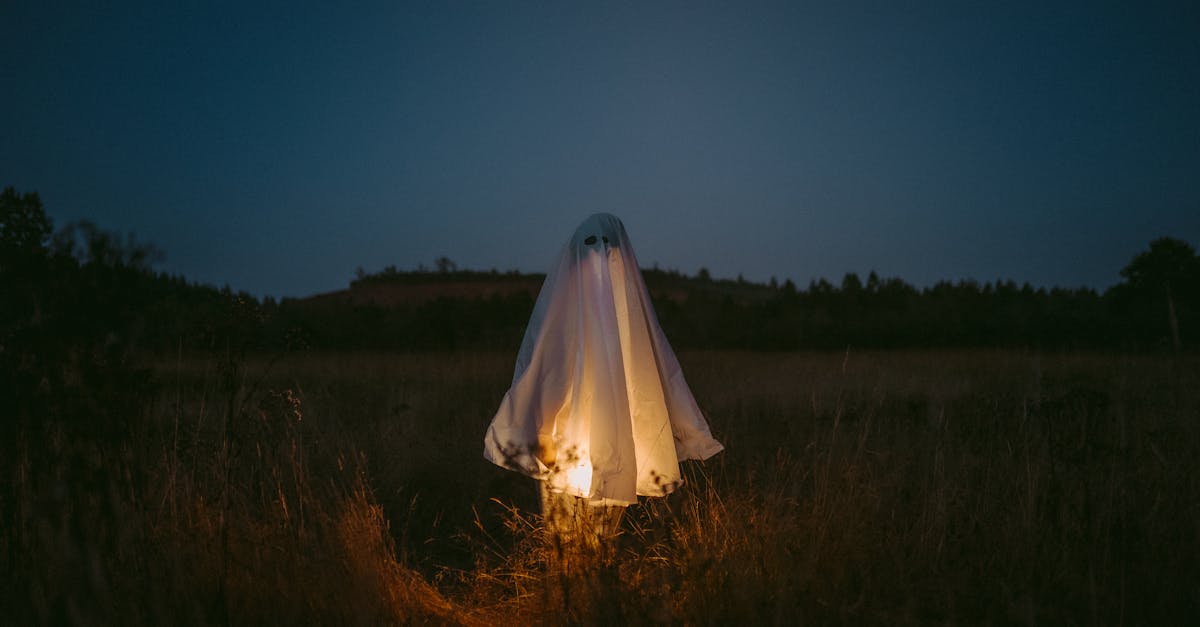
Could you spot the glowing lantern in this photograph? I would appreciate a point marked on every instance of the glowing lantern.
(598, 407)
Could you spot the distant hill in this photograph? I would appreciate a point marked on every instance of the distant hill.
(452, 308)
(395, 288)
(415, 288)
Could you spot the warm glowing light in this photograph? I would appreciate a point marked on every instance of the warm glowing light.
(579, 479)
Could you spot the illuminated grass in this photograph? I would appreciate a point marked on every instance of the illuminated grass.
(884, 488)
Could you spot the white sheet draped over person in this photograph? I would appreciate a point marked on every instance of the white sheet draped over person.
(598, 407)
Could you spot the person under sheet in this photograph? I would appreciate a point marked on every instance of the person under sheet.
(598, 406)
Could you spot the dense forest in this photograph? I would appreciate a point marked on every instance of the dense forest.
(81, 286)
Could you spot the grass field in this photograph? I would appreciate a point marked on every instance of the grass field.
(891, 488)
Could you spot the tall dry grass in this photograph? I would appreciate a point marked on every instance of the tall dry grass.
(227, 503)
(887, 488)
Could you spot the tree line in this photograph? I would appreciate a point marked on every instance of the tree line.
(83, 295)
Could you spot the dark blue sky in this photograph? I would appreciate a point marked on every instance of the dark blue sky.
(276, 148)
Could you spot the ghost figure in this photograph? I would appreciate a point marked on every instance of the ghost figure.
(598, 407)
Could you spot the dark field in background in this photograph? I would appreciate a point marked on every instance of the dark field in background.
(908, 487)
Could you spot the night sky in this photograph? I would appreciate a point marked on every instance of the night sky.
(276, 148)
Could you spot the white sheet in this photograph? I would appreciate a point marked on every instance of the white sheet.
(598, 406)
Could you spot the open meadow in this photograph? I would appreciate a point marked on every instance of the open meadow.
(915, 487)
(929, 271)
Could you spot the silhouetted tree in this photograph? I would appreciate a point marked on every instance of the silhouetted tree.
(24, 226)
(851, 283)
(872, 282)
(1166, 271)
(91, 245)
